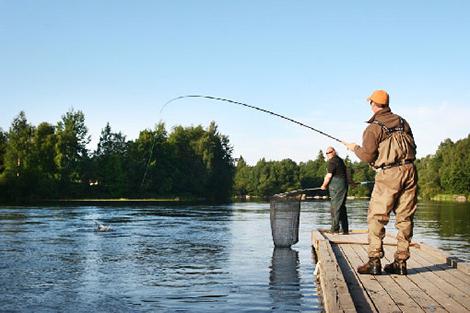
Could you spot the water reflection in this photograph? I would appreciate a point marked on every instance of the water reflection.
(284, 281)
(445, 225)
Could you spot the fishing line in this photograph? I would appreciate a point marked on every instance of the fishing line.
(148, 162)
(234, 102)
(252, 107)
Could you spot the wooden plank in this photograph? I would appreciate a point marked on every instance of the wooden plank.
(462, 269)
(425, 302)
(335, 292)
(359, 238)
(430, 273)
(316, 236)
(452, 261)
(435, 281)
(362, 301)
(432, 285)
(455, 272)
(399, 295)
(335, 289)
(327, 288)
(380, 298)
(444, 272)
(436, 253)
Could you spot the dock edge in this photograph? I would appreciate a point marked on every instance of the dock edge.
(336, 296)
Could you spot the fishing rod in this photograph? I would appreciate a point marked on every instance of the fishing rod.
(239, 103)
(294, 192)
(252, 107)
(301, 191)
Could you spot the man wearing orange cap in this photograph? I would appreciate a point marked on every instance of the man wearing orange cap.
(388, 146)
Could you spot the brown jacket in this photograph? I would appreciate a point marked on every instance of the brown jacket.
(374, 134)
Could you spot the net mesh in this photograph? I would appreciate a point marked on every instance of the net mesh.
(285, 216)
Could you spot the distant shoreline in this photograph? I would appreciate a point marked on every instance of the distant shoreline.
(109, 202)
(193, 201)
(451, 198)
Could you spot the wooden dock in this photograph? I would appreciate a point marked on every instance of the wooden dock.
(435, 282)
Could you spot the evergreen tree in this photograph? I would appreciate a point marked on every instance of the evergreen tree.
(109, 163)
(18, 150)
(18, 167)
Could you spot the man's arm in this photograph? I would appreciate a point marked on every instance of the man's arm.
(326, 181)
(370, 143)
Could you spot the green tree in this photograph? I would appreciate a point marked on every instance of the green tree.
(242, 180)
(271, 177)
(360, 172)
(3, 147)
(189, 170)
(139, 153)
(18, 156)
(43, 156)
(311, 173)
(150, 163)
(160, 164)
(216, 153)
(454, 173)
(109, 163)
(71, 152)
(287, 175)
(429, 180)
(18, 150)
(44, 142)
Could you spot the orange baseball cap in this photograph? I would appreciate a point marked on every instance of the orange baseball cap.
(379, 97)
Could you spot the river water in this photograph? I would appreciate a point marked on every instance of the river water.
(178, 258)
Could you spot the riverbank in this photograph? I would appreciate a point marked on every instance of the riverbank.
(111, 201)
(453, 198)
(127, 201)
(190, 201)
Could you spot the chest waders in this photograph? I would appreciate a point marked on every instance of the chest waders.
(395, 190)
(398, 148)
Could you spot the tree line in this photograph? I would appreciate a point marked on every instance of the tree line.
(270, 177)
(447, 171)
(52, 162)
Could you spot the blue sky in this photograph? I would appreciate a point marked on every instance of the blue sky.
(315, 61)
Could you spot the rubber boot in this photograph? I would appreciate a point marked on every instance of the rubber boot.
(372, 267)
(396, 267)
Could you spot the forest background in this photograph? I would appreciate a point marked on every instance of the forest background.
(47, 162)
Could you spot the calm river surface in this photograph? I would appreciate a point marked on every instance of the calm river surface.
(179, 258)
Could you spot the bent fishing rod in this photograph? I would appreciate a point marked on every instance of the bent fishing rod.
(251, 107)
(239, 103)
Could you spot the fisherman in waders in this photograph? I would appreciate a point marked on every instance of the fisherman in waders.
(389, 147)
(336, 182)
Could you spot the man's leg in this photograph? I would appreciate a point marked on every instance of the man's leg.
(343, 214)
(334, 212)
(386, 190)
(382, 201)
(405, 210)
(335, 198)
